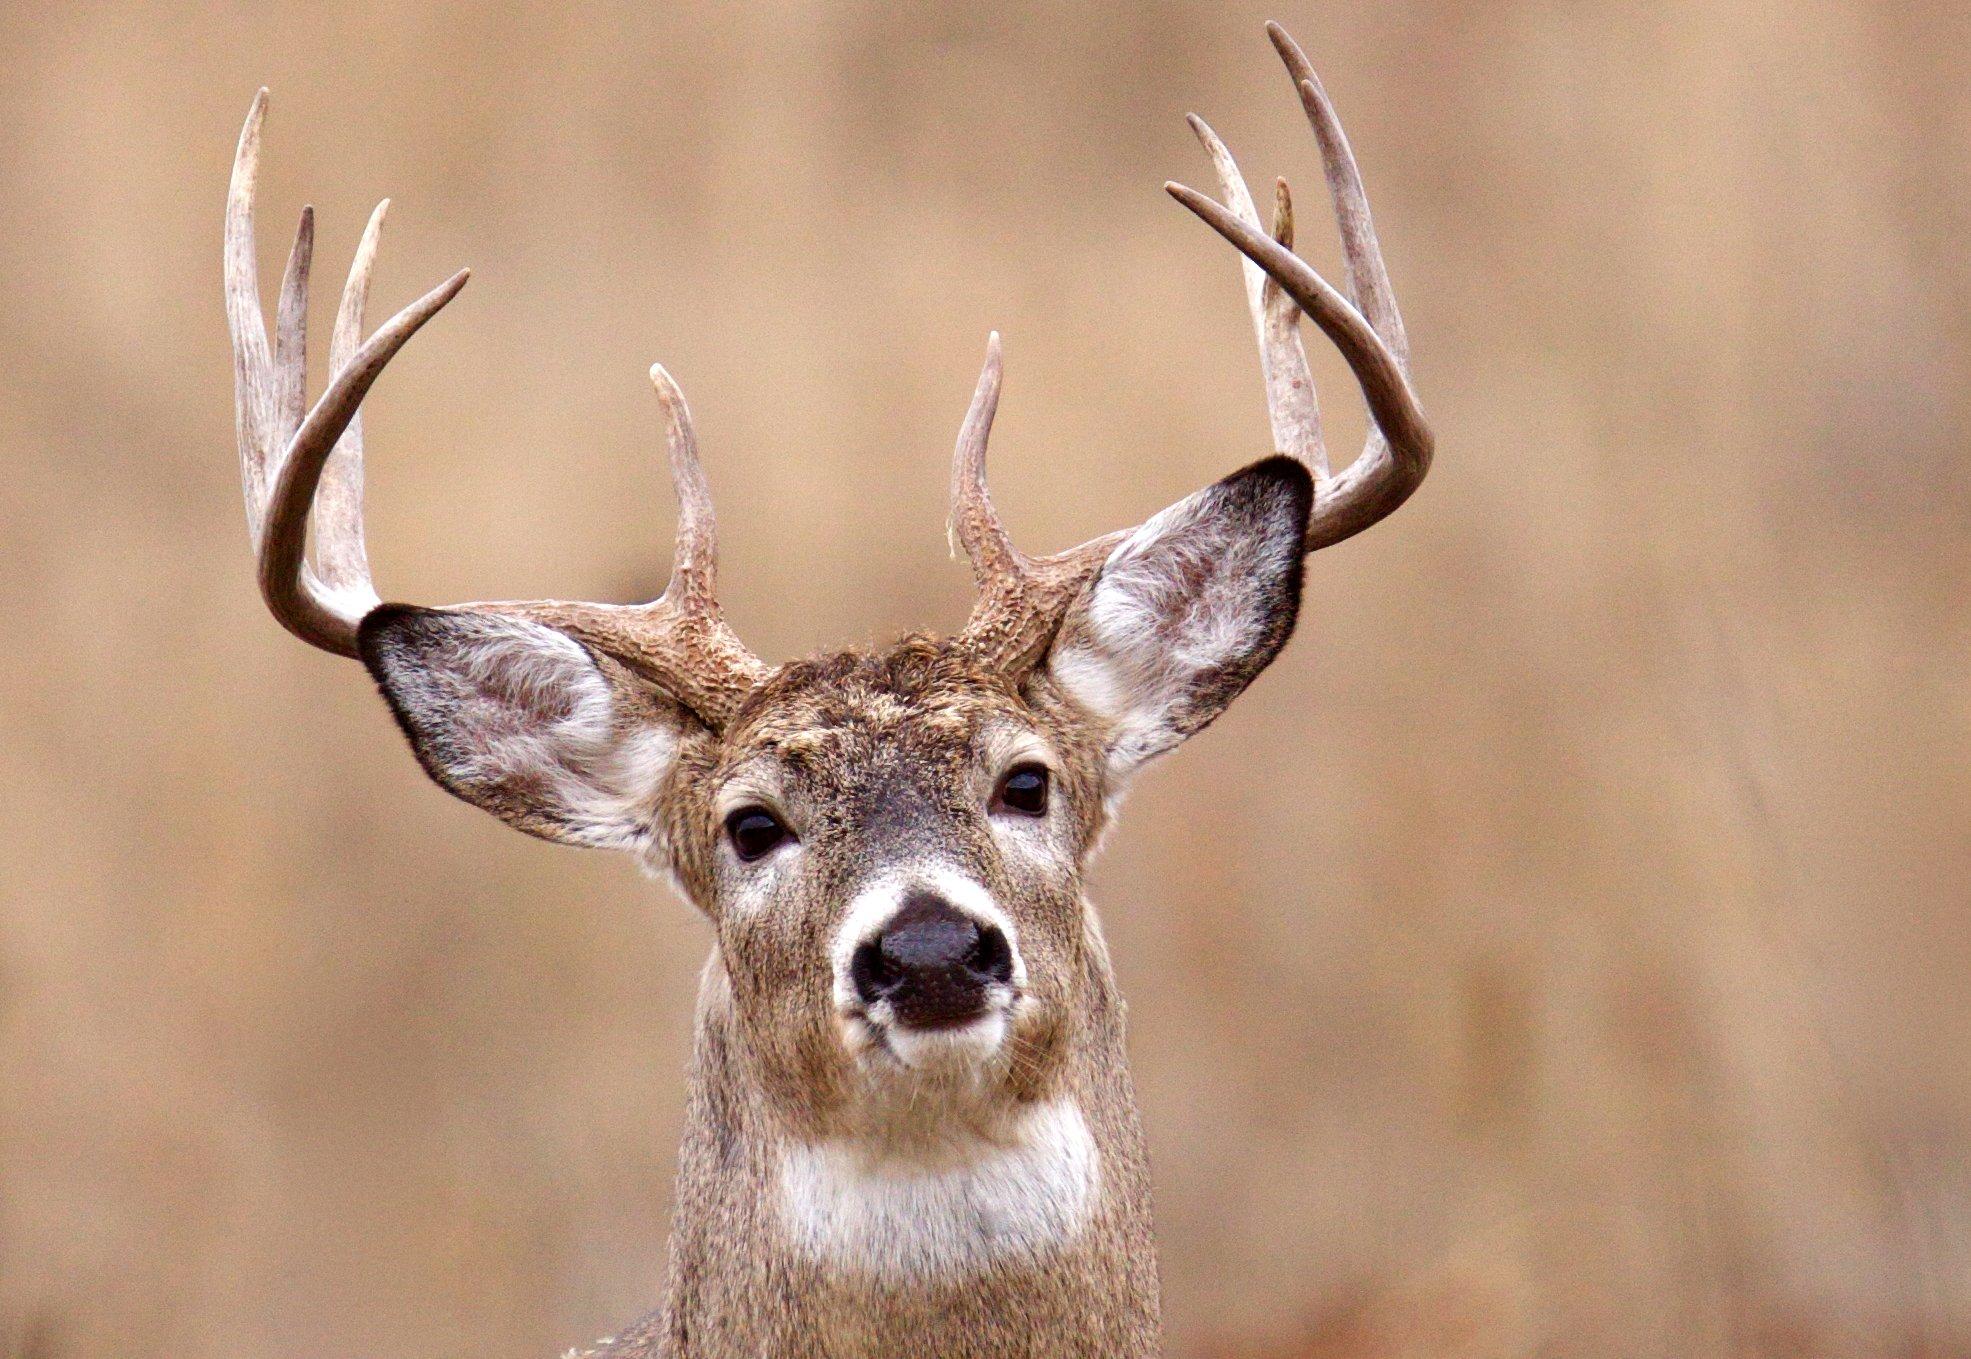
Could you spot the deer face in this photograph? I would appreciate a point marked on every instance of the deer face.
(890, 844)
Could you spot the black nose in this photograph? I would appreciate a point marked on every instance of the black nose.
(932, 963)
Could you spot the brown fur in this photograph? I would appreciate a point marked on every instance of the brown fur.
(845, 733)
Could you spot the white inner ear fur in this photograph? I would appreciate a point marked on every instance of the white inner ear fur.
(517, 717)
(1192, 591)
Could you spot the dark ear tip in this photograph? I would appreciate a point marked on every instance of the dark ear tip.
(1278, 467)
(378, 625)
(1288, 474)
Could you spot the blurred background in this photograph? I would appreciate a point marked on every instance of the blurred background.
(1604, 830)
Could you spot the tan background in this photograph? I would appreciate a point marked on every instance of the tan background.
(1562, 951)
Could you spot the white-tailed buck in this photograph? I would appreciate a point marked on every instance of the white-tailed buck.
(911, 1128)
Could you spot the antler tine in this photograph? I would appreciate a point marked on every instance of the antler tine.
(1366, 276)
(1396, 455)
(291, 329)
(1021, 599)
(253, 382)
(695, 560)
(324, 617)
(1291, 403)
(975, 525)
(341, 556)
(282, 453)
(681, 638)
(1298, 402)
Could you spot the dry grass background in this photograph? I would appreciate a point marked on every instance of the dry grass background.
(1562, 951)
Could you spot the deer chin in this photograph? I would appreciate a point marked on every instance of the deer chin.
(883, 1046)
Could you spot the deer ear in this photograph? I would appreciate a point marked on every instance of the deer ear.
(1187, 610)
(526, 722)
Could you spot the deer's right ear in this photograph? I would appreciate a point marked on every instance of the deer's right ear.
(526, 722)
(1187, 610)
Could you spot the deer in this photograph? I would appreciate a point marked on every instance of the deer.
(910, 1124)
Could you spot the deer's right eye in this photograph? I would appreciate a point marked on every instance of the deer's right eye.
(1024, 790)
(755, 832)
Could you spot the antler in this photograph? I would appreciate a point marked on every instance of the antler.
(283, 455)
(304, 474)
(1365, 325)
(1022, 599)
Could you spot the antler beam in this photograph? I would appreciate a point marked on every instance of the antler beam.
(1364, 325)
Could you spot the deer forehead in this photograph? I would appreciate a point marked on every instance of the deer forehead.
(914, 720)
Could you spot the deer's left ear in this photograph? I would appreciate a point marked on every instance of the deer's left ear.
(1187, 610)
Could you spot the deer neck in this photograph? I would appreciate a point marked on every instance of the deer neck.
(1012, 1230)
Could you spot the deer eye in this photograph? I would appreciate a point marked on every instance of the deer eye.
(755, 832)
(1023, 790)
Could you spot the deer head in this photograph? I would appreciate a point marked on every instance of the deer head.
(889, 845)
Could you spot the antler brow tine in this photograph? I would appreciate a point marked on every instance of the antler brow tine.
(974, 523)
(1020, 598)
(341, 556)
(695, 558)
(291, 325)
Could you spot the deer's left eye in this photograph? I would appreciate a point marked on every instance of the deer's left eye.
(1023, 790)
(755, 832)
